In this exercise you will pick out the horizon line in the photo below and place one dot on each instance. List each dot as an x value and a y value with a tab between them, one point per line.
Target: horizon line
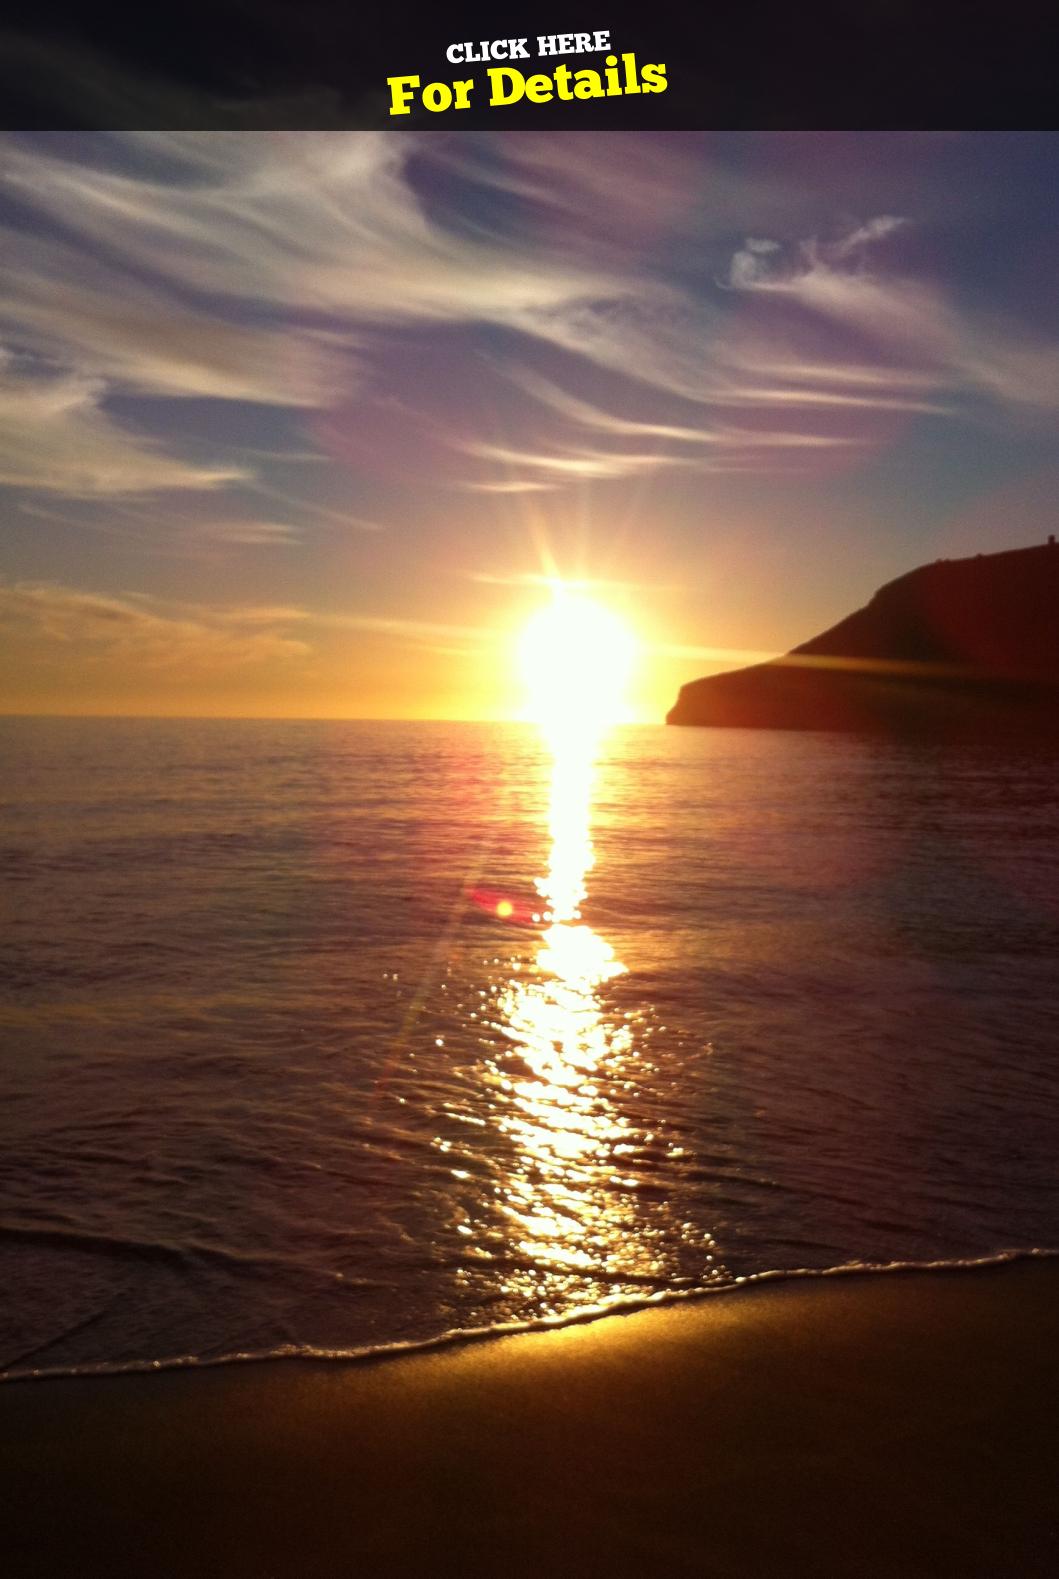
315	718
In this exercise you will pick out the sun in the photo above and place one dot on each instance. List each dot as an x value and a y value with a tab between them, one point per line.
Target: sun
576	658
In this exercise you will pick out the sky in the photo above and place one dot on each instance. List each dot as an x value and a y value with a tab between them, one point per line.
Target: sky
301	424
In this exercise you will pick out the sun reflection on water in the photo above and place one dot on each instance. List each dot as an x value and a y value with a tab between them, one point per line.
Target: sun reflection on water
572	1186
568	1206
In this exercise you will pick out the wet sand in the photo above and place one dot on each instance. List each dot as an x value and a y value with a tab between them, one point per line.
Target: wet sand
901	1425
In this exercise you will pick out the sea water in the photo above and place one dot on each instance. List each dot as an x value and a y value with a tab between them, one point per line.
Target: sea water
337	1036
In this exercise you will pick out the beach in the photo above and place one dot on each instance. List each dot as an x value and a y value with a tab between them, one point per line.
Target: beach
897	1424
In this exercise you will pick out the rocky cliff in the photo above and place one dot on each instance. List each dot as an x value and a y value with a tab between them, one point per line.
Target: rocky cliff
971	641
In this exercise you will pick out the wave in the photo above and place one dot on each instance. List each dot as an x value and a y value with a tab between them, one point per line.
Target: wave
624	1305
123	1247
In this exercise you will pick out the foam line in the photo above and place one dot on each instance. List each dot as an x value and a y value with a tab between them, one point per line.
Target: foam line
625	1305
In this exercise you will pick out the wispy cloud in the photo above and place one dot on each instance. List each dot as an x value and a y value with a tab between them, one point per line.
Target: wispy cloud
320	222
719	442
512	485
587	415
249	534
103	321
653	304
321	512
139	631
959	351
400	628
55	436
586	464
760	261
329	235
872	230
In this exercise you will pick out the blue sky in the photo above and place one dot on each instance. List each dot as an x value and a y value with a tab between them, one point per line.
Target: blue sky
296	423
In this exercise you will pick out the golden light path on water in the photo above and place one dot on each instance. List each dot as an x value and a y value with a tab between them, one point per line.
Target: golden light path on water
563	1208
570	1195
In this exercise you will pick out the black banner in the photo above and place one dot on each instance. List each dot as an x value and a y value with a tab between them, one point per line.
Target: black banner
318	64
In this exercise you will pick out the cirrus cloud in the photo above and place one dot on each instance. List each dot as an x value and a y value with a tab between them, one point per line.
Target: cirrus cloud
143	631
56	436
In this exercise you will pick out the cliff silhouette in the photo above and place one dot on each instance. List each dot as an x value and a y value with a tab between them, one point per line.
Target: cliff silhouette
958	643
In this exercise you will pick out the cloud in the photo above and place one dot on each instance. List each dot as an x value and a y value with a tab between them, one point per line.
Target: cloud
407	629
572	465
55	436
317	222
572	440
690	355
102	321
585	414
310	269
720	440
763	263
243	267
750	266
729	450
803	378
244	631
626	196
863	235
322	512
249	534
514	485
140	631
1017	373
958	351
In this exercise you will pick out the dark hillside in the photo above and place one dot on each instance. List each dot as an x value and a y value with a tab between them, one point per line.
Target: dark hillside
958	641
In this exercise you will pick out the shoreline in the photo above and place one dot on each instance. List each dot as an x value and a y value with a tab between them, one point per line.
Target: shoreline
457	1337
858	1424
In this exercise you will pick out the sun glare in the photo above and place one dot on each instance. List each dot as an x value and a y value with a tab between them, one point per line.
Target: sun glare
576	658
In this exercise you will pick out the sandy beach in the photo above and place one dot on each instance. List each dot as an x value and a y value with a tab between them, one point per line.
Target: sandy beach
900	1425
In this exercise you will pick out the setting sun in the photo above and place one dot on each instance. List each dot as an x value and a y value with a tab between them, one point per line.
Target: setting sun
576	658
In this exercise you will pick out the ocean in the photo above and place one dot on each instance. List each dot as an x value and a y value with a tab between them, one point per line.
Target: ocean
333	1037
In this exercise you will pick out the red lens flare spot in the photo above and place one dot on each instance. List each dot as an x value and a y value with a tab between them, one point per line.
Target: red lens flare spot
496	903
